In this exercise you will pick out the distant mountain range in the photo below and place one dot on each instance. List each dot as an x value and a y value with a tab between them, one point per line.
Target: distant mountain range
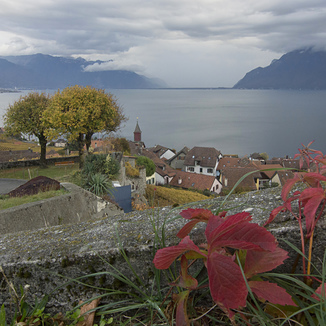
300	69
41	71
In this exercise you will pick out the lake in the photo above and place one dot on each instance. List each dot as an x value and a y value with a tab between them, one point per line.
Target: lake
233	121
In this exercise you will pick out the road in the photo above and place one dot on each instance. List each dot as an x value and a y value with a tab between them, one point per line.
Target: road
6	185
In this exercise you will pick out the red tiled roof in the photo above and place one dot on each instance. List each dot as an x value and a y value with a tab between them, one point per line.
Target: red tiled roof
206	155
192	180
269	174
234	174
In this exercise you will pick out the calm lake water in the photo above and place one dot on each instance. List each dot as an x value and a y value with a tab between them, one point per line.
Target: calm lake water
233	121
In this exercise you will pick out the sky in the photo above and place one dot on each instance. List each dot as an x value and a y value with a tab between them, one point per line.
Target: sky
186	43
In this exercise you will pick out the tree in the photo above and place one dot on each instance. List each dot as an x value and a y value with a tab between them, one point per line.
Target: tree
25	116
264	156
80	112
147	163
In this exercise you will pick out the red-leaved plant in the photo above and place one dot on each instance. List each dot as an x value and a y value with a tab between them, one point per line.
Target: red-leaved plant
253	245
311	201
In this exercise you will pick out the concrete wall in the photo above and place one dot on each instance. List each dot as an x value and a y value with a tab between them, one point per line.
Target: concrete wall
45	259
76	206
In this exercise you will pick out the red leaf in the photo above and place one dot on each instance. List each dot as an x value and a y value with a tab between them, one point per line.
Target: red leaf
274	213
310	212
181	314
263	261
313	178
271	292
289	185
187	228
212	224
318	293
198	213
186	280
229	223
195	215
245	235
226	283
166	256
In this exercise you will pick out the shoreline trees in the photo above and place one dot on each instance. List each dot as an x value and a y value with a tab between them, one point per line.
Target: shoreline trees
25	116
79	112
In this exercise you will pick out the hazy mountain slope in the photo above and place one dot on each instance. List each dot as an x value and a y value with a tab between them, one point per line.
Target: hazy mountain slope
300	69
44	71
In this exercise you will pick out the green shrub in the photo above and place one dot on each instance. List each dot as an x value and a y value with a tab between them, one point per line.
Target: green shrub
96	172
99	184
147	163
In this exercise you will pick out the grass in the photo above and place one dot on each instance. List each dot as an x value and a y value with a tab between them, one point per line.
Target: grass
59	173
6	202
164	196
7	144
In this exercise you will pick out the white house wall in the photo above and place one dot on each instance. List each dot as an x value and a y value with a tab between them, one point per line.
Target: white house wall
167	154
159	179
216	187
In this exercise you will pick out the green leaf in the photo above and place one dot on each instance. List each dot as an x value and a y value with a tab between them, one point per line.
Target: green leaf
3	316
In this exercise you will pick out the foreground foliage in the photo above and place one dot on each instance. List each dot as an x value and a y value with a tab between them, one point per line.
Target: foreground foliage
238	252
237	256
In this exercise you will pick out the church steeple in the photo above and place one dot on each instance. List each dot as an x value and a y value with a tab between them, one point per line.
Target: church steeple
137	133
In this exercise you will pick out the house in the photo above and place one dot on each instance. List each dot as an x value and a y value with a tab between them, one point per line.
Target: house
163	172
293	164
186	180
177	161
60	143
203	160
162	152
271	176
229	176
262	175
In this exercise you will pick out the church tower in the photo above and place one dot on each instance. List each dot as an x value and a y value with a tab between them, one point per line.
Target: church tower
137	133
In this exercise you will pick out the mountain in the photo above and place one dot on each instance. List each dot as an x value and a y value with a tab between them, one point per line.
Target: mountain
39	71
299	69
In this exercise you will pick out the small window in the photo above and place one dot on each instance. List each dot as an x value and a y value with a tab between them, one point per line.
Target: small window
201	170
191	169
209	170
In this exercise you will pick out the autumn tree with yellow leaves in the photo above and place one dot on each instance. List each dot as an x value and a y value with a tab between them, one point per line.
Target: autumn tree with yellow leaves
79	112
25	116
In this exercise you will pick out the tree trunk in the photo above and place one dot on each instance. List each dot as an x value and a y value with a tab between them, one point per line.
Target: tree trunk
88	140
43	142
81	143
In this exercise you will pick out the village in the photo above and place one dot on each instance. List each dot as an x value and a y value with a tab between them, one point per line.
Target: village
204	169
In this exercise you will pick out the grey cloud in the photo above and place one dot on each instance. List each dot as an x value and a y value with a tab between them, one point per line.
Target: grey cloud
132	28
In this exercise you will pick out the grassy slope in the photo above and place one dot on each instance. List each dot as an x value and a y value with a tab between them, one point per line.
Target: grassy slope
60	173
163	196
6	202
7	144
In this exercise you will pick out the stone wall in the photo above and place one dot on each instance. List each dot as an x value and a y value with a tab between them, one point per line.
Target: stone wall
48	258
76	206
138	185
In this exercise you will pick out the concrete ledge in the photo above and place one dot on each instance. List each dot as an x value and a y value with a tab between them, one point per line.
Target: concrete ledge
38	258
77	206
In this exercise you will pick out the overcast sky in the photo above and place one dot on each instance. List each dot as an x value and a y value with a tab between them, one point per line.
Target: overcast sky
187	43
